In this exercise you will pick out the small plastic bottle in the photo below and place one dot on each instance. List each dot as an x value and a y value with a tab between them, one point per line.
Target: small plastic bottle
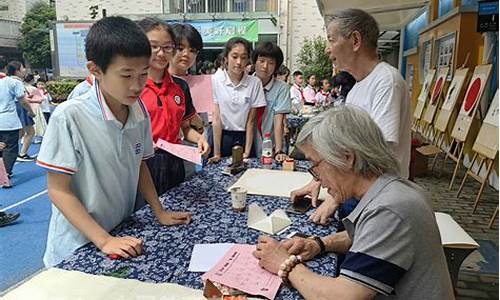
267	151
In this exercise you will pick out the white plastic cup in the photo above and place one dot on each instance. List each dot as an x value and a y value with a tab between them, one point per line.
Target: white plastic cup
238	198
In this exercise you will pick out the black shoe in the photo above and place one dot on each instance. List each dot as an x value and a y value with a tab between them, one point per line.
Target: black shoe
6	218
25	157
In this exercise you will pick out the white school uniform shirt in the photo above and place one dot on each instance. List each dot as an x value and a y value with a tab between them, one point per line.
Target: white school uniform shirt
103	157
309	94
384	95
297	94
235	101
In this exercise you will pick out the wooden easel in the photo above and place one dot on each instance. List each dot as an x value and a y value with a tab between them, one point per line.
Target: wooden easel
466	118
422	99
446	116
485	150
434	103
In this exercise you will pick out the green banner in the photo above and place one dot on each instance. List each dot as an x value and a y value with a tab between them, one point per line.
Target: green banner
221	31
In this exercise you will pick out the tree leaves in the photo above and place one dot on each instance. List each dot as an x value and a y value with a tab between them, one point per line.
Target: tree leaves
35	41
313	59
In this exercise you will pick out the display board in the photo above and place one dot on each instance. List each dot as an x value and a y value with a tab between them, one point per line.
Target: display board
486	142
451	99
474	93
435	100
424	94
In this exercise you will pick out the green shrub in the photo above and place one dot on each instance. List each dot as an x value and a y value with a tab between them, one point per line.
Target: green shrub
60	89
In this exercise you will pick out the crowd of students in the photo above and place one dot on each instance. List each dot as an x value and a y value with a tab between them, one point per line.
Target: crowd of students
99	149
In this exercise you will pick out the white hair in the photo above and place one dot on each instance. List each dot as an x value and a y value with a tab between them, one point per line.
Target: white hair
352	19
349	129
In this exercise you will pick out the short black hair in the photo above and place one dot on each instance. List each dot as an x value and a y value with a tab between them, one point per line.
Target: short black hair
345	80
310	75
13	67
297	73
233	42
219	61
29	77
270	50
283	70
148	24
114	36
188	32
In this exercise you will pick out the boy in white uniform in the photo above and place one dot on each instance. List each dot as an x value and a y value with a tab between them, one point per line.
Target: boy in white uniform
95	145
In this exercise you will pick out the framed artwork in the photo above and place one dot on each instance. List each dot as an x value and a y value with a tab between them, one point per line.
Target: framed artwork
445	46
425	59
475	89
410	71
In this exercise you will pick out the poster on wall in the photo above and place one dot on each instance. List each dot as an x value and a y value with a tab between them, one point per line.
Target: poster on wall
410	71
425	59
70	47
445	49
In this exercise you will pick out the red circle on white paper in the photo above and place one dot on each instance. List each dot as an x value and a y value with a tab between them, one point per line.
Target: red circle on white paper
437	90
472	94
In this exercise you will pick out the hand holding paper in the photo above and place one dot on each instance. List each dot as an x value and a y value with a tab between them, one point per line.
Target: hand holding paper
240	270
275	222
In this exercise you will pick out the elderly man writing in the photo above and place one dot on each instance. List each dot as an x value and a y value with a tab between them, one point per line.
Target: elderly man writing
391	242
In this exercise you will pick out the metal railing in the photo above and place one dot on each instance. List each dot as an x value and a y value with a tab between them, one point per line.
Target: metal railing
219	6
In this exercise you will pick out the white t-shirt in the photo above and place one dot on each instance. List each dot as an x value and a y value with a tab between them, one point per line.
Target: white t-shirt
384	95
235	101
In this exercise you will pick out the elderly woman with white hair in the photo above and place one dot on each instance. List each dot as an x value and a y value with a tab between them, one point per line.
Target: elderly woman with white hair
391	241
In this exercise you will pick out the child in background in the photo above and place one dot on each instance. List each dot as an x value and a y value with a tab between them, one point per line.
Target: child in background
96	145
45	105
324	97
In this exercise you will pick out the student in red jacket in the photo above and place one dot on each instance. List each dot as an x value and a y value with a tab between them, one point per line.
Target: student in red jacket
169	104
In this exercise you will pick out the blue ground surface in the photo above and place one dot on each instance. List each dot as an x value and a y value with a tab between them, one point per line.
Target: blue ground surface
22	244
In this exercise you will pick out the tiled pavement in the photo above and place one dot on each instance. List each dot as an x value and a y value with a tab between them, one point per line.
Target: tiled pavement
471	285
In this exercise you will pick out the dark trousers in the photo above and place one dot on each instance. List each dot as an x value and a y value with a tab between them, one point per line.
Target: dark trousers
10	152
166	170
229	139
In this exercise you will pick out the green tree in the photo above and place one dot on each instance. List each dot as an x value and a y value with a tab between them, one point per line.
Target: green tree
313	59
35	41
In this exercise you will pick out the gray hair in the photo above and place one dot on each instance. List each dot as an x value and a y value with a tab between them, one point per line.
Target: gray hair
352	19
349	129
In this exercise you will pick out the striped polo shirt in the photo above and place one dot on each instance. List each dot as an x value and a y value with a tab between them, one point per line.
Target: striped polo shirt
103	157
396	247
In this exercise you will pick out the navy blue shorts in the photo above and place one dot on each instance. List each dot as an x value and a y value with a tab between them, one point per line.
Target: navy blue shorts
25	119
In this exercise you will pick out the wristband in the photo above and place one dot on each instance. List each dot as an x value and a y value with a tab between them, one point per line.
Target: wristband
322	247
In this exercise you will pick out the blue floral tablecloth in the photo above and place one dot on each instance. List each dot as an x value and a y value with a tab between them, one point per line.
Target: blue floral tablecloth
167	249
296	122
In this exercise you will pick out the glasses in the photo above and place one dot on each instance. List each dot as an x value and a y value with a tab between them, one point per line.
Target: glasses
190	50
313	173
169	48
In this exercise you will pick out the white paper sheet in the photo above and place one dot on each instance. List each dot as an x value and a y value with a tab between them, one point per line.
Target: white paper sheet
205	256
275	222
60	284
274	182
